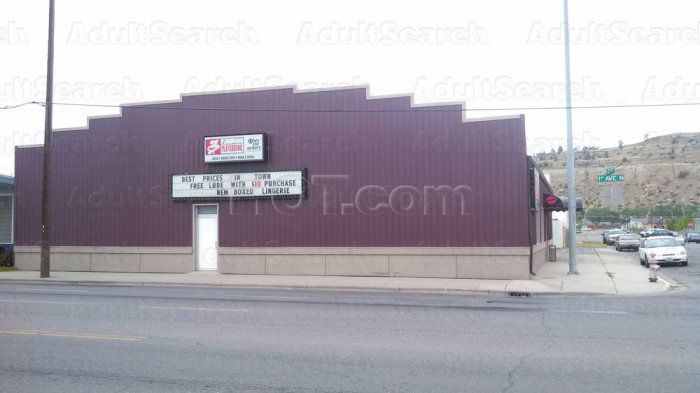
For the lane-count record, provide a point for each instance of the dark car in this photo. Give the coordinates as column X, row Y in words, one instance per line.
column 660, row 232
column 627, row 242
column 607, row 232
column 612, row 235
column 692, row 237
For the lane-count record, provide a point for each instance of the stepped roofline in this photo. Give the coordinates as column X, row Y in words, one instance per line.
column 294, row 90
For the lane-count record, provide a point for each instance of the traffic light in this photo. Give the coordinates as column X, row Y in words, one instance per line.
column 559, row 204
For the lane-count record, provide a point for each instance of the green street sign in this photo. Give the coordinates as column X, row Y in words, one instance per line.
column 610, row 171
column 610, row 178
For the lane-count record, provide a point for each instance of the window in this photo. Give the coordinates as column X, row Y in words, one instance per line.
column 211, row 209
column 6, row 219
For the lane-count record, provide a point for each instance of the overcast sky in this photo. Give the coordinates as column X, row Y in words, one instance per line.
column 487, row 54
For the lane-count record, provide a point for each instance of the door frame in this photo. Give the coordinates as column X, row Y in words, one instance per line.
column 194, row 235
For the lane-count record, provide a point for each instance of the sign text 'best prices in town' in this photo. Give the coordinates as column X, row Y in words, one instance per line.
column 239, row 185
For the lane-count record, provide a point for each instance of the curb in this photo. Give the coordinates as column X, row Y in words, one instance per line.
column 672, row 285
column 209, row 285
column 476, row 291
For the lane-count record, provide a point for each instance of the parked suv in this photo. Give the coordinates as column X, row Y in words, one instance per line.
column 627, row 242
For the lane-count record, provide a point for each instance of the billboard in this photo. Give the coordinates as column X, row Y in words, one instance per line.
column 235, row 148
column 283, row 183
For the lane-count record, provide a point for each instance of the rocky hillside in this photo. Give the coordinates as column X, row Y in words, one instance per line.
column 664, row 169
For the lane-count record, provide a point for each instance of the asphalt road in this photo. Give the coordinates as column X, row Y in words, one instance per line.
column 62, row 338
column 689, row 276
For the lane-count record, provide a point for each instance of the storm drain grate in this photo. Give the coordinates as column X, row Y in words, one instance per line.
column 519, row 294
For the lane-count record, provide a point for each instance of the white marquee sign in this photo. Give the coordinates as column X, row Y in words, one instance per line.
column 239, row 185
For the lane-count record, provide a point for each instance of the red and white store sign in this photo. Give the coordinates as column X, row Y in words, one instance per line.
column 234, row 148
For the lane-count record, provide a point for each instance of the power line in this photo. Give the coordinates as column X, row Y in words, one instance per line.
column 19, row 105
column 412, row 110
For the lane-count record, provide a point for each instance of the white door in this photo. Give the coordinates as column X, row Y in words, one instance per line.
column 207, row 237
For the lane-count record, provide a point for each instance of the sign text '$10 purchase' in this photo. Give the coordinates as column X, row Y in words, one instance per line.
column 238, row 185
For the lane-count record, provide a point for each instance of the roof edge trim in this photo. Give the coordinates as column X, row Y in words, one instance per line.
column 296, row 90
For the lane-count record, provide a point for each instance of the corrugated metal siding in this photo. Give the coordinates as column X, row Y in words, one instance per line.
column 110, row 183
column 28, row 196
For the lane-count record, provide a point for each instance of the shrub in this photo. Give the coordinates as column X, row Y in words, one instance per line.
column 683, row 174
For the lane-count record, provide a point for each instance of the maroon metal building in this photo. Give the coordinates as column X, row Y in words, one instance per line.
column 389, row 189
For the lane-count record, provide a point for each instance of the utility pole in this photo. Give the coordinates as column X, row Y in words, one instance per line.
column 570, row 174
column 48, row 142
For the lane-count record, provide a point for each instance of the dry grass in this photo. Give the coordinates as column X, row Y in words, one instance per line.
column 651, row 174
column 591, row 245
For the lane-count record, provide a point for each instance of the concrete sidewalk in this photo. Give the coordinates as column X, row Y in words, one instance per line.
column 602, row 272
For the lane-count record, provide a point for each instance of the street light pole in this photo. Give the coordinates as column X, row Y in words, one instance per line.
column 45, row 266
column 570, row 174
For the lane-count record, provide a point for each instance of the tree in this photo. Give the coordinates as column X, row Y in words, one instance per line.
column 560, row 150
column 680, row 224
column 602, row 214
column 635, row 212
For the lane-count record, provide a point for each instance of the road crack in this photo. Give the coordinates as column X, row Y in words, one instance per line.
column 521, row 362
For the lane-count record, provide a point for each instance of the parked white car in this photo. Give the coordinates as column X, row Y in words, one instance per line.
column 662, row 249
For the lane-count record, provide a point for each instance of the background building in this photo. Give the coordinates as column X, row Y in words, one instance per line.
column 389, row 189
column 7, row 192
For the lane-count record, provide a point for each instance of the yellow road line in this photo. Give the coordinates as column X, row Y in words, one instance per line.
column 197, row 308
column 73, row 335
